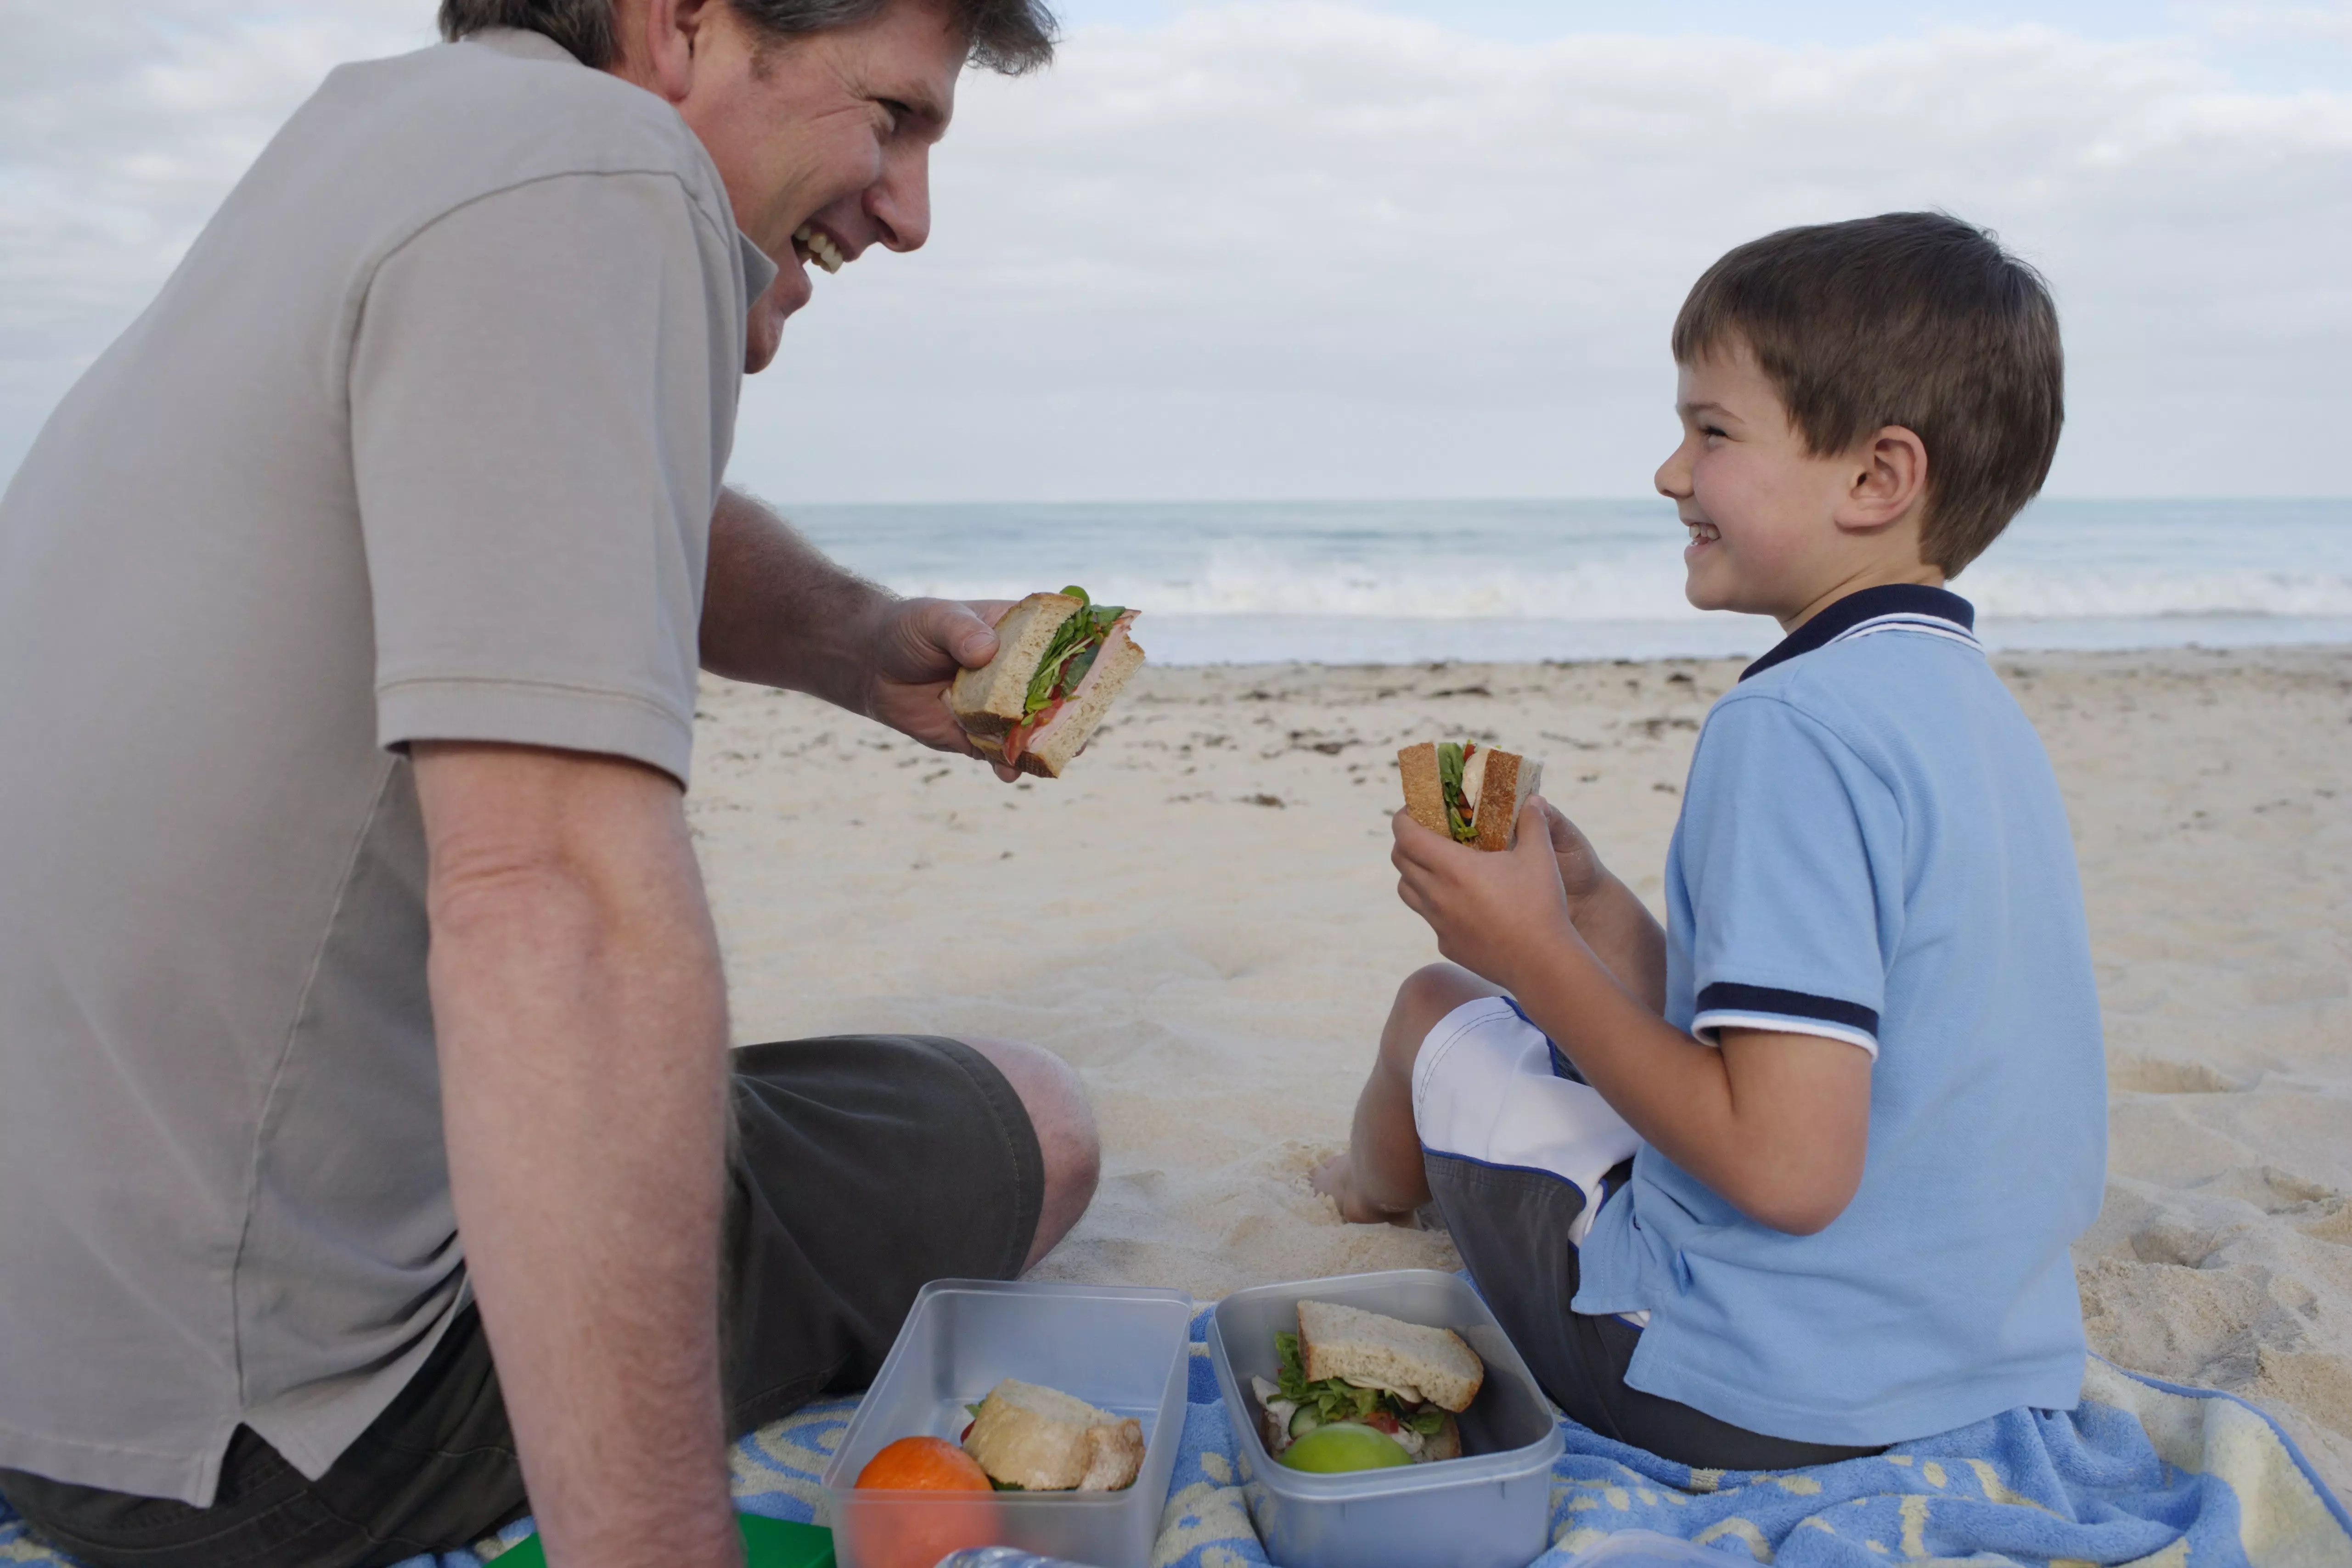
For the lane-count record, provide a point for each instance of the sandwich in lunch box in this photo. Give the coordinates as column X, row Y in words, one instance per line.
column 1470, row 792
column 1033, row 1439
column 1346, row 1366
column 1060, row 660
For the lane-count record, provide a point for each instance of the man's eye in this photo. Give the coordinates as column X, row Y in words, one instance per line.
column 895, row 109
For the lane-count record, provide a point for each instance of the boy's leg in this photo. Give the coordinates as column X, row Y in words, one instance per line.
column 1381, row 1177
column 865, row 1167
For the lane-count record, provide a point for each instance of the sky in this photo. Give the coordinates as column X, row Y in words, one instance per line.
column 1381, row 248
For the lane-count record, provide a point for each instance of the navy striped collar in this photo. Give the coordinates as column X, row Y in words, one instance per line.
column 1894, row 606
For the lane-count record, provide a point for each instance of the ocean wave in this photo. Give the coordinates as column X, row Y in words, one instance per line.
column 1436, row 589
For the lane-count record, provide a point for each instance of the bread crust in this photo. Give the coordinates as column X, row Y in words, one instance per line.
column 1425, row 792
column 1510, row 779
column 992, row 699
column 1507, row 780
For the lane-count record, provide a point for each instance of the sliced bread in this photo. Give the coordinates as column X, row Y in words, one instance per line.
column 1042, row 1439
column 1413, row 1361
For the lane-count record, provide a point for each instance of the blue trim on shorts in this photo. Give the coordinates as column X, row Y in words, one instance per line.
column 1562, row 1067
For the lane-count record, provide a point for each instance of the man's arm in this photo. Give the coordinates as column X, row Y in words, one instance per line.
column 580, row 1020
column 1777, row 1125
column 777, row 612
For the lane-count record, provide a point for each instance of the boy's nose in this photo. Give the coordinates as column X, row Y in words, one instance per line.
column 1674, row 476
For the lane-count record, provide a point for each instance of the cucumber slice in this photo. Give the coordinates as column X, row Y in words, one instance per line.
column 1304, row 1420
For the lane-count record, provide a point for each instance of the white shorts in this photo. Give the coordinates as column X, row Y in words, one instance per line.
column 1491, row 1089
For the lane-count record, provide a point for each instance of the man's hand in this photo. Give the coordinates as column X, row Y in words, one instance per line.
column 920, row 645
column 775, row 611
column 1493, row 911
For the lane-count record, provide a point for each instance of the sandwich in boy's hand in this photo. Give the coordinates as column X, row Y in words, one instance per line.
column 1470, row 792
column 1361, row 1391
column 1060, row 660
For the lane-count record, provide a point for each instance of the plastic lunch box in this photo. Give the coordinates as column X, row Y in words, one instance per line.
column 1490, row 1509
column 1123, row 1349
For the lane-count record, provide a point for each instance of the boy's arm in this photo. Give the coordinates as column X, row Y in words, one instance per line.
column 1776, row 1124
column 1615, row 924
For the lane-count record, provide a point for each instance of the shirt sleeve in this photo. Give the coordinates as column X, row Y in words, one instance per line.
column 542, row 392
column 1786, row 892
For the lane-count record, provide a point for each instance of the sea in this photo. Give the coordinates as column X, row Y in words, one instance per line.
column 1350, row 582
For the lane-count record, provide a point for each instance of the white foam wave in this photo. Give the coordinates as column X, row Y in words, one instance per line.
column 1425, row 588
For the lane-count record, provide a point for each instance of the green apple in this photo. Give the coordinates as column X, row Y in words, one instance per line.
column 1345, row 1446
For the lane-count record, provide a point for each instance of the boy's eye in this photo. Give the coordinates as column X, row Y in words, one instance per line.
column 1710, row 430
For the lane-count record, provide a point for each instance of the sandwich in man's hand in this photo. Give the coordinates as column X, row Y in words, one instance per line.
column 1346, row 1366
column 1469, row 792
column 1060, row 660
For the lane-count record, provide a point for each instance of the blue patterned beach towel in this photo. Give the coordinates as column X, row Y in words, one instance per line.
column 2144, row 1473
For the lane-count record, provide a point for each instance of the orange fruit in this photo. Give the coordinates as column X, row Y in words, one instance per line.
column 924, row 1464
column 916, row 1532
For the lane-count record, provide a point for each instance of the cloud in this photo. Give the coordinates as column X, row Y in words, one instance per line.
column 1298, row 249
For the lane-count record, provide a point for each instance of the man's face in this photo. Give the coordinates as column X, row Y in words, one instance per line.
column 1761, row 510
column 824, row 139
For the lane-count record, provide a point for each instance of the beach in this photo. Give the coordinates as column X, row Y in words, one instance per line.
column 1201, row 919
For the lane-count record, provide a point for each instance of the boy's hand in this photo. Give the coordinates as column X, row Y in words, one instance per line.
column 1581, row 874
column 1493, row 911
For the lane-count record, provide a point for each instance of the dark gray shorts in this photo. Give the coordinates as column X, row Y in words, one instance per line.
column 1511, row 1226
column 865, row 1165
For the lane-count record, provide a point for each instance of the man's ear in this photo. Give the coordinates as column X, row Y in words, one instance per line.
column 657, row 45
column 1888, row 479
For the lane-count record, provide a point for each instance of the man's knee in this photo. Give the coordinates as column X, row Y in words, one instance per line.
column 1065, row 1124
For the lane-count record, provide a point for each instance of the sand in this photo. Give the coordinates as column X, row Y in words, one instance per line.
column 1201, row 919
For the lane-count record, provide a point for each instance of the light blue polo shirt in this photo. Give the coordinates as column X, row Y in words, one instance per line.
column 1873, row 848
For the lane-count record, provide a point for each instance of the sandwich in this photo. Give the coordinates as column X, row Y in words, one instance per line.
column 1470, row 792
column 1346, row 1366
column 1060, row 660
column 1031, row 1438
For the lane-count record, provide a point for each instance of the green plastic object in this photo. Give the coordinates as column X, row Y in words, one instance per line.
column 1345, row 1446
column 767, row 1544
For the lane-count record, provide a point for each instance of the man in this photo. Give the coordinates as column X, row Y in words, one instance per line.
column 350, row 609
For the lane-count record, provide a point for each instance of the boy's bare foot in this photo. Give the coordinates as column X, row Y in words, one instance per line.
column 1335, row 1178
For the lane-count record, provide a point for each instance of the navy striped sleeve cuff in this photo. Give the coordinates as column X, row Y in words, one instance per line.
column 1725, row 1006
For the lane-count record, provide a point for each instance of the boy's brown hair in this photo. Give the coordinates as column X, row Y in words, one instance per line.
column 1910, row 318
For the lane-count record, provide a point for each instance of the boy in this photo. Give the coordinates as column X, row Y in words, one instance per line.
column 1858, row 1076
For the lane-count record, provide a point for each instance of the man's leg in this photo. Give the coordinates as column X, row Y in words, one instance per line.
column 866, row 1167
column 1064, row 1125
column 1380, row 1176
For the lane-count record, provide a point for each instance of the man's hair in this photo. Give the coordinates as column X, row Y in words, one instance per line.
column 1910, row 318
column 1013, row 37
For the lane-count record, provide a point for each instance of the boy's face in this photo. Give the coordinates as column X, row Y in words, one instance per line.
column 1776, row 529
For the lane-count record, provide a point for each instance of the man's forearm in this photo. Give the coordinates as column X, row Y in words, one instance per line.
column 778, row 612
column 580, row 1024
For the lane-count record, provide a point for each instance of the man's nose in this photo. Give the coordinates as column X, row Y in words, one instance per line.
column 900, row 202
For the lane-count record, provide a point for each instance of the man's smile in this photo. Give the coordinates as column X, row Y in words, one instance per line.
column 813, row 244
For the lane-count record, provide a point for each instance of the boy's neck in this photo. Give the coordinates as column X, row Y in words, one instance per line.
column 1872, row 575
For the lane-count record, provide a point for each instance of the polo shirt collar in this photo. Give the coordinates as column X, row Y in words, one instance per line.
column 522, row 44
column 1890, row 607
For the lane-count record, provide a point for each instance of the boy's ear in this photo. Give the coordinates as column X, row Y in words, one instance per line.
column 1888, row 479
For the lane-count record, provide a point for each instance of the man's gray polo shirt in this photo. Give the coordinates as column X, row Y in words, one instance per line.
column 421, row 441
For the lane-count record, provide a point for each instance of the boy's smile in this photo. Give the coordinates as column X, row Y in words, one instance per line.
column 1775, row 529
